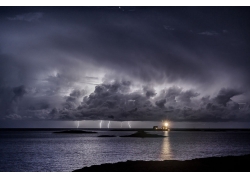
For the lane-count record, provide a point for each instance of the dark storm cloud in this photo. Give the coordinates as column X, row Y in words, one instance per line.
column 160, row 103
column 168, row 28
column 19, row 92
column 225, row 95
column 6, row 96
column 27, row 17
column 114, row 101
column 10, row 100
column 109, row 101
column 138, row 63
column 209, row 33
column 73, row 100
column 185, row 97
column 149, row 91
column 168, row 96
column 141, row 47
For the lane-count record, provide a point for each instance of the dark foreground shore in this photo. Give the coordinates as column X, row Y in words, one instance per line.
column 212, row 164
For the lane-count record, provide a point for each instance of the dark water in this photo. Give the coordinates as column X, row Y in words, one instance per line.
column 44, row 151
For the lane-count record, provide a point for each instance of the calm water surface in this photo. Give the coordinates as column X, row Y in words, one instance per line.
column 45, row 151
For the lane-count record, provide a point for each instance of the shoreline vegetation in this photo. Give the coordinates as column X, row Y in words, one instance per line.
column 210, row 164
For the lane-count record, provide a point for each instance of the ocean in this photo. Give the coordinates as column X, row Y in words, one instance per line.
column 43, row 151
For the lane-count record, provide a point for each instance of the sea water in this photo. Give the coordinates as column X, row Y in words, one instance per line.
column 44, row 151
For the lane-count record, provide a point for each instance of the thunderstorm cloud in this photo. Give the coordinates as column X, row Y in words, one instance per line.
column 125, row 64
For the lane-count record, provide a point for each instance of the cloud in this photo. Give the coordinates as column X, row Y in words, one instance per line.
column 29, row 17
column 19, row 92
column 73, row 100
column 209, row 33
column 125, row 62
column 6, row 98
column 10, row 99
column 13, row 116
column 186, row 96
column 225, row 95
column 161, row 103
column 118, row 101
column 169, row 28
column 149, row 91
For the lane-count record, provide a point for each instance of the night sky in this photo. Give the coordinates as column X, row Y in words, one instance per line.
column 148, row 64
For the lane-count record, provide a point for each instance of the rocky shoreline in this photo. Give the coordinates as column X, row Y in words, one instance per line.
column 211, row 164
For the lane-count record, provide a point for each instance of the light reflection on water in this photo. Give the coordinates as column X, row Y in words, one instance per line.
column 165, row 148
column 44, row 151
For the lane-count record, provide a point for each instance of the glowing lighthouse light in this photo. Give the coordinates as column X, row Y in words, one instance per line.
column 165, row 126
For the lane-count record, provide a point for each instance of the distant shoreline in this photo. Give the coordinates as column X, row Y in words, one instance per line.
column 126, row 129
column 211, row 164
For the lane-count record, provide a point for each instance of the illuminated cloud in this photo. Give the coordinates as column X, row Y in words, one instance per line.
column 124, row 64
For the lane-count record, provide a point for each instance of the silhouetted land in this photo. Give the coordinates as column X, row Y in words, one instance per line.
column 178, row 129
column 212, row 164
column 123, row 129
column 74, row 132
column 107, row 136
column 143, row 134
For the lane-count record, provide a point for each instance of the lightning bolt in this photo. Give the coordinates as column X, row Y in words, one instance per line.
column 101, row 124
column 121, row 124
column 78, row 123
column 129, row 124
column 108, row 124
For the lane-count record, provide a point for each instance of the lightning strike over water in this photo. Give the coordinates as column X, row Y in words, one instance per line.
column 78, row 123
column 101, row 124
column 129, row 124
column 108, row 124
